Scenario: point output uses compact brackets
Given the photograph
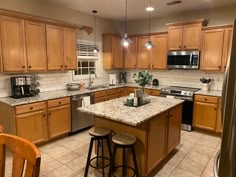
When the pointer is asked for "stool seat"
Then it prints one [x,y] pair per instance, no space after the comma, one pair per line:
[99,131]
[124,139]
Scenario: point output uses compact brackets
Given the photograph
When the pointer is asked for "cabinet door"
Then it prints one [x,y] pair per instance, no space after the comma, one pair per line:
[156,140]
[227,47]
[59,121]
[32,126]
[130,57]
[219,127]
[54,47]
[204,115]
[212,45]
[159,52]
[13,44]
[175,37]
[117,52]
[35,46]
[107,52]
[174,128]
[70,49]
[192,36]
[144,54]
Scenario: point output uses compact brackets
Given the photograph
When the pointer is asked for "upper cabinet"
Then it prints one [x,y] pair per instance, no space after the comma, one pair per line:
[12,42]
[31,44]
[159,52]
[185,36]
[216,47]
[35,46]
[70,49]
[130,54]
[112,52]
[54,47]
[144,54]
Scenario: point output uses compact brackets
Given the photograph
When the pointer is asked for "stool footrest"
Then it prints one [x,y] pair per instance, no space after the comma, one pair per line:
[121,166]
[99,157]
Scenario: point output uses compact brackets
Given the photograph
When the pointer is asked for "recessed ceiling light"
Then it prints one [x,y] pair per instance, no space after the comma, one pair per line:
[150,8]
[173,2]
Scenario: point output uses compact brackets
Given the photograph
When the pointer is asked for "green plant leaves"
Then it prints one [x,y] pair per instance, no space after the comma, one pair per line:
[143,78]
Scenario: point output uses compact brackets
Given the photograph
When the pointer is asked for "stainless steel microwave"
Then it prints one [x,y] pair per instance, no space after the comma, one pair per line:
[183,60]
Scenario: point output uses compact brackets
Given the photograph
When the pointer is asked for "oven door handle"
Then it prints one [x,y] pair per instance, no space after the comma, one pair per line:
[190,59]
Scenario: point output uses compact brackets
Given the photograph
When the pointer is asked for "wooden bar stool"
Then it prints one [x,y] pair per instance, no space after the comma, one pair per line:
[98,134]
[124,141]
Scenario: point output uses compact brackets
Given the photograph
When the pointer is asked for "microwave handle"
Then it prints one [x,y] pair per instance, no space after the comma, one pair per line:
[190,59]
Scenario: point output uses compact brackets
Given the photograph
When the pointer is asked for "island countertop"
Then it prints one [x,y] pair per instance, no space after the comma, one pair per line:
[117,111]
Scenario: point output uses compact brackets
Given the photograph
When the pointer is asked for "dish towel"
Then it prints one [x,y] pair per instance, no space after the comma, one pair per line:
[86,101]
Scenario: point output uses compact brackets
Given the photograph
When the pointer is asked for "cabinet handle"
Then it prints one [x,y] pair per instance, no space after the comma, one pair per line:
[153,66]
[134,65]
[49,113]
[219,66]
[23,66]
[149,66]
[184,46]
[180,46]
[31,108]
[214,108]
[66,66]
[44,115]
[29,66]
[59,102]
[205,99]
[225,67]
[61,66]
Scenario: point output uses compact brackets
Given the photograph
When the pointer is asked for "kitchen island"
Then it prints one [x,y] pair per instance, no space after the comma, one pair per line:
[156,125]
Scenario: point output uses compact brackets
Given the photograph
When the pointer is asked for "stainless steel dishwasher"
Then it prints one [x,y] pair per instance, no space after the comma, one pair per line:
[80,120]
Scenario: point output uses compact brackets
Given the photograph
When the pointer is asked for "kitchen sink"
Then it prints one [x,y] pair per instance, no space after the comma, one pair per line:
[97,87]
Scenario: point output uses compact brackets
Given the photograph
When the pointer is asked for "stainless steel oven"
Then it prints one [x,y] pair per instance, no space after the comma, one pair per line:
[183,60]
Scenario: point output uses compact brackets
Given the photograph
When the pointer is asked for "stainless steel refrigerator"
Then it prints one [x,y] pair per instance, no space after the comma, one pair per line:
[225,161]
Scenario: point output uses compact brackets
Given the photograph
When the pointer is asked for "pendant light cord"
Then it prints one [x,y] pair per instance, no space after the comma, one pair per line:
[149,34]
[94,28]
[126,4]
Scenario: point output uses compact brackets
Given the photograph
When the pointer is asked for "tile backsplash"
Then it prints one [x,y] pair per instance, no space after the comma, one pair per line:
[183,78]
[58,80]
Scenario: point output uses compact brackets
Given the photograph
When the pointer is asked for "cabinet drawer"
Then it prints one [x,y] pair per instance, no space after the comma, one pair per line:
[111,91]
[58,102]
[30,107]
[99,94]
[206,99]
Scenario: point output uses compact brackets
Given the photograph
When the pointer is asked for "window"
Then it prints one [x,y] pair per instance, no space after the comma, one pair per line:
[87,59]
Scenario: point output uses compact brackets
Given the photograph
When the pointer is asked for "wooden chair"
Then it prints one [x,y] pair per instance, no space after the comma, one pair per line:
[26,156]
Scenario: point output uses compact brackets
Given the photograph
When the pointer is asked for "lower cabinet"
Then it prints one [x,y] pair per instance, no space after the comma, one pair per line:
[153,92]
[32,126]
[41,121]
[206,114]
[58,121]
[109,94]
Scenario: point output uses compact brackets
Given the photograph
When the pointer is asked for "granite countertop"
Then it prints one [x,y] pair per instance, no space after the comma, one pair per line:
[209,93]
[117,111]
[63,93]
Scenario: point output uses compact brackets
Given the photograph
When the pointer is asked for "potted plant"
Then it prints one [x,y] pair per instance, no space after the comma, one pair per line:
[142,79]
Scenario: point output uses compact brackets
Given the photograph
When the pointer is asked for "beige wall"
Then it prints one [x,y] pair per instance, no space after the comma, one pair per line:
[43,9]
[216,16]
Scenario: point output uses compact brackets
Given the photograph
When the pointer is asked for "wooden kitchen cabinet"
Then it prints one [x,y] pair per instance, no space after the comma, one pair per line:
[144,54]
[157,136]
[112,52]
[109,94]
[153,92]
[159,52]
[70,49]
[31,122]
[216,47]
[54,38]
[13,44]
[205,112]
[130,54]
[129,90]
[59,117]
[174,128]
[185,36]
[35,37]
[219,126]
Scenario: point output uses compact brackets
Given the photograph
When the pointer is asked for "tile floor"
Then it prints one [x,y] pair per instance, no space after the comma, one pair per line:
[67,157]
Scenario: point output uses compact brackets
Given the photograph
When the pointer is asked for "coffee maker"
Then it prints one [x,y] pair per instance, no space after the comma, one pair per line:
[20,86]
[122,77]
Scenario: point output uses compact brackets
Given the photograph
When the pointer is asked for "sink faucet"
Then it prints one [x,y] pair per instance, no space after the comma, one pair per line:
[90,79]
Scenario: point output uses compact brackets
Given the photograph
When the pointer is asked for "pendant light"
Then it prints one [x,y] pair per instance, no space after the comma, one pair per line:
[149,43]
[125,40]
[150,8]
[95,49]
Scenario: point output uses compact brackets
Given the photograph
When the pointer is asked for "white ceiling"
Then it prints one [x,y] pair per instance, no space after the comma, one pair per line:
[115,9]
